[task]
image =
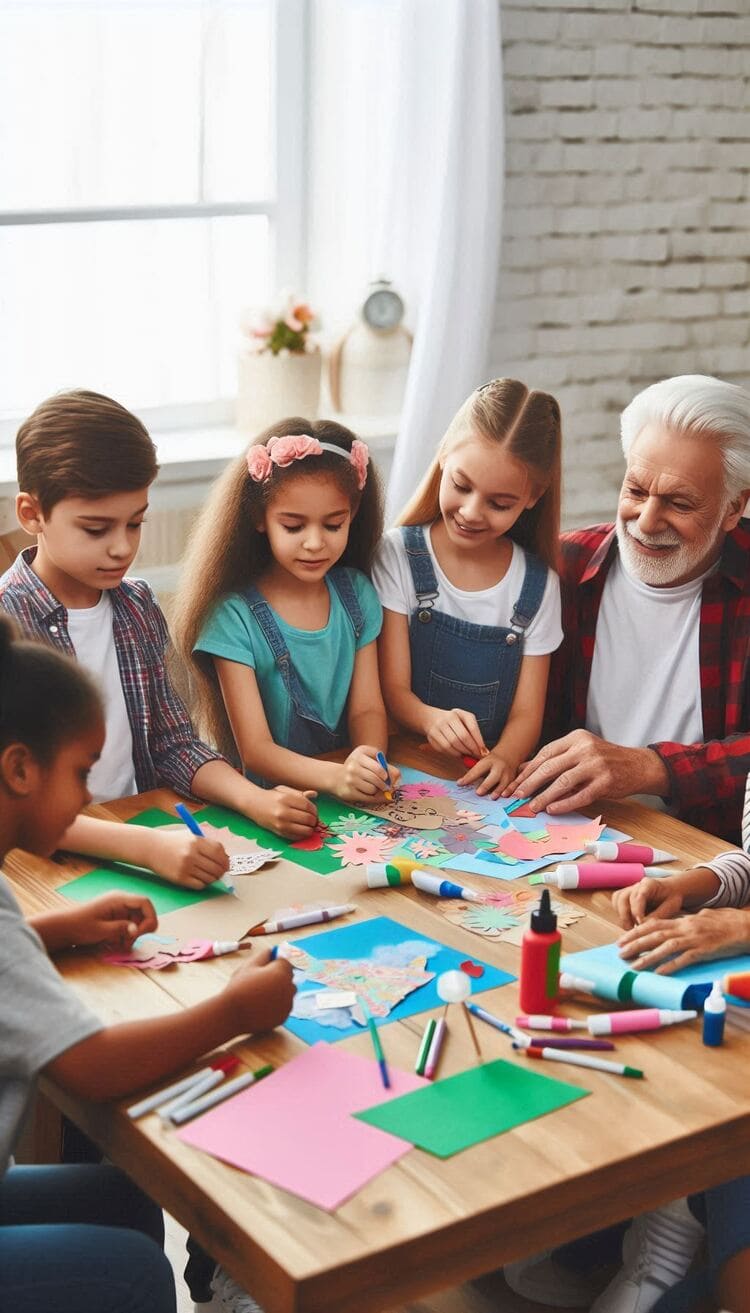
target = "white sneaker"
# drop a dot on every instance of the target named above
(229, 1297)
(545, 1281)
(657, 1250)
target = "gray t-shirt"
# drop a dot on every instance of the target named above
(40, 1017)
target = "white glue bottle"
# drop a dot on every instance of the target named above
(714, 1016)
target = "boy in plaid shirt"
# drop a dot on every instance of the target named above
(85, 465)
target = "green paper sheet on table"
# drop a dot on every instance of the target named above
(453, 1114)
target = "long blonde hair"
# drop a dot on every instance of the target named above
(528, 424)
(226, 553)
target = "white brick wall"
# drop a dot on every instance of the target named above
(626, 244)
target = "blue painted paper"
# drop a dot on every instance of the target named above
(359, 940)
(685, 989)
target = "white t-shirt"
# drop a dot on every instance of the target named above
(91, 634)
(645, 682)
(485, 606)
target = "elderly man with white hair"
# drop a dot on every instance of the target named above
(648, 694)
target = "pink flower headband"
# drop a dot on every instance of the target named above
(281, 451)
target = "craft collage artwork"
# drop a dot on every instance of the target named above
(369, 972)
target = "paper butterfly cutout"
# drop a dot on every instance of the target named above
(504, 916)
(377, 984)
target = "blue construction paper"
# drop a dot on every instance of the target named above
(685, 989)
(359, 940)
(492, 865)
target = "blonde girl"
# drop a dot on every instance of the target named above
(471, 600)
(278, 616)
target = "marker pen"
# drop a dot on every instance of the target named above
(433, 884)
(517, 1035)
(388, 790)
(606, 850)
(194, 827)
(313, 917)
(583, 1060)
(622, 1023)
(599, 875)
(569, 1042)
(433, 1057)
(185, 1111)
(225, 1064)
(202, 1086)
(538, 1021)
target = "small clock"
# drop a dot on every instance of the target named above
(383, 308)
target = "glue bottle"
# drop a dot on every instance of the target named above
(540, 959)
(714, 1016)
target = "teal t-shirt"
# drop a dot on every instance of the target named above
(322, 658)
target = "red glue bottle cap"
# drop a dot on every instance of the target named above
(543, 919)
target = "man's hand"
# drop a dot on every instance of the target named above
(711, 933)
(581, 768)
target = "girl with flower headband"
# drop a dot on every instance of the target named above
(471, 605)
(277, 614)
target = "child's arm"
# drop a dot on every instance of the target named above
(724, 882)
(258, 751)
(521, 733)
(114, 918)
(182, 858)
(456, 731)
(120, 1059)
(363, 778)
(287, 812)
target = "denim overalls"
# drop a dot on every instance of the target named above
(306, 734)
(455, 663)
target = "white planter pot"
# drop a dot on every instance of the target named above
(272, 387)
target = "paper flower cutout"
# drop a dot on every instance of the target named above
(460, 840)
(360, 849)
(469, 820)
(424, 849)
(355, 821)
(314, 842)
(428, 789)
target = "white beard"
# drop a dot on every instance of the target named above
(658, 572)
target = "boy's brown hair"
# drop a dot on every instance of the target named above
(82, 444)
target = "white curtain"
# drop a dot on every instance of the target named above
(407, 162)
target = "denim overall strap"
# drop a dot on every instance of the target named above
(530, 598)
(306, 734)
(341, 579)
(422, 571)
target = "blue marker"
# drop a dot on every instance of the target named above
(433, 884)
(388, 792)
(522, 1040)
(194, 827)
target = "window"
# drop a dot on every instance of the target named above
(151, 187)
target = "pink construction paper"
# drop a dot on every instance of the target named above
(295, 1129)
(561, 838)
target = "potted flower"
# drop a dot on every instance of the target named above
(278, 365)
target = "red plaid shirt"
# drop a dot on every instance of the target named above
(165, 747)
(707, 779)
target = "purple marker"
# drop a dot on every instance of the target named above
(569, 1042)
(433, 1057)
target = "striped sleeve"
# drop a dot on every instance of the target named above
(733, 871)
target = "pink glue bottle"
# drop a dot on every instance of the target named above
(540, 959)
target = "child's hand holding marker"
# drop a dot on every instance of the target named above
(290, 813)
(260, 994)
(187, 859)
(363, 778)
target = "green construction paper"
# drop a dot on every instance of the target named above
(453, 1114)
(165, 897)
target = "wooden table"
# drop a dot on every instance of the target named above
(425, 1224)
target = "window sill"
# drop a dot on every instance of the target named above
(193, 455)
